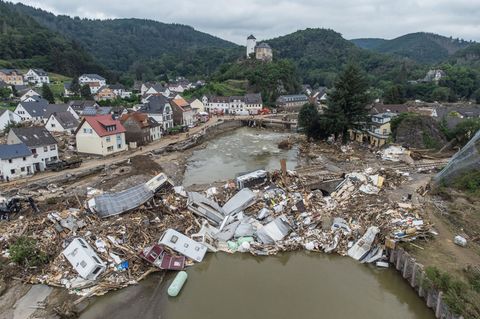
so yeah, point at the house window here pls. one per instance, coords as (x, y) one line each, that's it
(24, 159)
(119, 145)
(10, 161)
(34, 151)
(22, 169)
(52, 125)
(107, 139)
(53, 158)
(110, 149)
(12, 171)
(52, 147)
(45, 149)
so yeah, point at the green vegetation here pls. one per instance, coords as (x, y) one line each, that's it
(421, 47)
(25, 43)
(346, 107)
(215, 88)
(24, 252)
(85, 92)
(271, 79)
(462, 298)
(469, 182)
(47, 93)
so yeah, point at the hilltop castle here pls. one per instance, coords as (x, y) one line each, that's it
(261, 51)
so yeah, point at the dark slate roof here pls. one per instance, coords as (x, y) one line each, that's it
(10, 151)
(253, 98)
(56, 108)
(66, 119)
(40, 72)
(4, 84)
(155, 104)
(292, 98)
(79, 105)
(236, 98)
(34, 136)
(37, 108)
(9, 71)
(93, 76)
(2, 111)
(117, 86)
(263, 45)
(251, 37)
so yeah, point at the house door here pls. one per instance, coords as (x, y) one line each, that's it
(29, 171)
(37, 167)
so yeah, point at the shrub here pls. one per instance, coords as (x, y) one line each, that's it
(25, 252)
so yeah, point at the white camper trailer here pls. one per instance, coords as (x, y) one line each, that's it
(84, 259)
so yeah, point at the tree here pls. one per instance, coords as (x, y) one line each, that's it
(85, 92)
(75, 86)
(394, 94)
(47, 93)
(5, 93)
(308, 119)
(441, 94)
(347, 101)
(477, 96)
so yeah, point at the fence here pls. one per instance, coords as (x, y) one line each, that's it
(414, 273)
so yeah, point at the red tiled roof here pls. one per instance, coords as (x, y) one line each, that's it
(140, 118)
(100, 122)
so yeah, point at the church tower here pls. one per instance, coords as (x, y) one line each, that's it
(251, 43)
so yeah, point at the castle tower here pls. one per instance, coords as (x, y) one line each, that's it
(251, 43)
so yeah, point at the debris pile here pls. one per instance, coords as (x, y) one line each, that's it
(118, 239)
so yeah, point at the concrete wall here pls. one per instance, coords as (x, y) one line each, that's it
(414, 273)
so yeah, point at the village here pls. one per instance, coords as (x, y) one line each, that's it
(96, 192)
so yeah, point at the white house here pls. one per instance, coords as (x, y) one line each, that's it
(251, 103)
(32, 111)
(94, 81)
(100, 135)
(216, 103)
(197, 105)
(30, 96)
(84, 259)
(8, 117)
(37, 77)
(120, 91)
(158, 107)
(148, 89)
(62, 122)
(40, 142)
(16, 160)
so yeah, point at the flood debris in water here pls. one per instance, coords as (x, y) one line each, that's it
(173, 228)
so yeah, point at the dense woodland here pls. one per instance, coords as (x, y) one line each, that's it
(24, 43)
(134, 49)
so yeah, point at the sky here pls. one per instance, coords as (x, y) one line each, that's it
(266, 19)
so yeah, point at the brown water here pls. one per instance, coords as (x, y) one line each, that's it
(239, 151)
(290, 285)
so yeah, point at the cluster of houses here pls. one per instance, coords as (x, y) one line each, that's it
(97, 130)
(36, 77)
(377, 131)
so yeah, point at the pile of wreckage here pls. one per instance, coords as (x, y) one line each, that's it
(119, 238)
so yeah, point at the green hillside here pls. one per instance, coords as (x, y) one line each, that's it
(24, 43)
(368, 43)
(421, 46)
(120, 43)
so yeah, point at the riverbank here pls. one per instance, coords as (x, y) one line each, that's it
(364, 207)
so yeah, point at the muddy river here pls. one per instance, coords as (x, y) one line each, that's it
(295, 285)
(235, 152)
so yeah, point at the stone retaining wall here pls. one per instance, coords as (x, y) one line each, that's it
(414, 273)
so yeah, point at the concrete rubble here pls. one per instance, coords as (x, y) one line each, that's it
(171, 228)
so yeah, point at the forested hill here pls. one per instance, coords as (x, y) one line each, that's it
(421, 46)
(368, 43)
(469, 56)
(319, 54)
(119, 43)
(24, 43)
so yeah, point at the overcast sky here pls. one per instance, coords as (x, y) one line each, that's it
(235, 20)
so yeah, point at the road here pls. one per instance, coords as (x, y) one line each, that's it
(120, 157)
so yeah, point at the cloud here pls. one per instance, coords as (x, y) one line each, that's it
(234, 20)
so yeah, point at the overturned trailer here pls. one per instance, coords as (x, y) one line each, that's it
(111, 204)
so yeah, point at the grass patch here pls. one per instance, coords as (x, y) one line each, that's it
(25, 252)
(461, 297)
(469, 182)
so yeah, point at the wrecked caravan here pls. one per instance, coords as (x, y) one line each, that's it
(252, 179)
(239, 201)
(116, 203)
(84, 259)
(274, 231)
(204, 207)
(361, 248)
(183, 245)
(157, 256)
